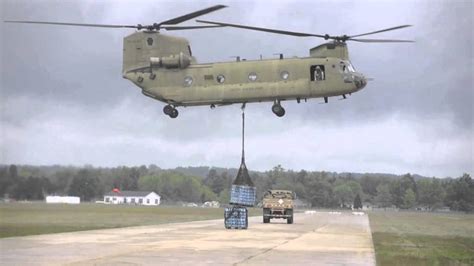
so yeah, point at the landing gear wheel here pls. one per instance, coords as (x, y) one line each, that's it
(174, 113)
(170, 111)
(278, 110)
(167, 109)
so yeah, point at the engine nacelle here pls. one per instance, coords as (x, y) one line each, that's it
(173, 61)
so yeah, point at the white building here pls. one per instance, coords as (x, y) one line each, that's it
(132, 197)
(63, 199)
(211, 204)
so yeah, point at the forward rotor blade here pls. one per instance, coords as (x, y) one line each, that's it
(72, 24)
(192, 15)
(389, 29)
(378, 40)
(189, 27)
(292, 33)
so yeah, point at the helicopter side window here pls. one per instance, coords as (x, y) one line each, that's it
(318, 73)
(343, 68)
(220, 78)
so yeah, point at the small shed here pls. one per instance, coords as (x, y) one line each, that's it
(116, 196)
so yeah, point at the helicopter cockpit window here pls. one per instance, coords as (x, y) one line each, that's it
(318, 73)
(351, 68)
(346, 67)
(220, 78)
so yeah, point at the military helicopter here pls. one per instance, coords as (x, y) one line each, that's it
(164, 68)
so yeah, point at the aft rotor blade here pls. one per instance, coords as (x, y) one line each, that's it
(378, 40)
(373, 32)
(72, 24)
(189, 27)
(292, 33)
(192, 15)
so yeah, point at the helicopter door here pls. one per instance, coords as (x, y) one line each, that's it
(317, 73)
(317, 85)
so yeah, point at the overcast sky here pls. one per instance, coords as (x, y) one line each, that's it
(64, 101)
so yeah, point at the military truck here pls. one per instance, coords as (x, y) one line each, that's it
(278, 204)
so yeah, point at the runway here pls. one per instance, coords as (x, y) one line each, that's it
(314, 239)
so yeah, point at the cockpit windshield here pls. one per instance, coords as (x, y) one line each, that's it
(346, 67)
(351, 68)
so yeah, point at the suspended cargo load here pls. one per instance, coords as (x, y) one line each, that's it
(242, 193)
(236, 218)
(242, 196)
(243, 190)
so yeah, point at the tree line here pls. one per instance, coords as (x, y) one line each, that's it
(200, 184)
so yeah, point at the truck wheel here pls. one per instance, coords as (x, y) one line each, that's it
(265, 218)
(289, 220)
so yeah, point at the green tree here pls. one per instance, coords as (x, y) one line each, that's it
(85, 185)
(207, 194)
(355, 187)
(430, 193)
(343, 194)
(61, 180)
(224, 196)
(369, 185)
(13, 171)
(319, 192)
(357, 202)
(215, 181)
(5, 181)
(460, 194)
(399, 187)
(384, 197)
(409, 199)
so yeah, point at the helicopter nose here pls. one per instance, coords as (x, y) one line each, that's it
(360, 81)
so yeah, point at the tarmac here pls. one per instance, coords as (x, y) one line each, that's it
(321, 238)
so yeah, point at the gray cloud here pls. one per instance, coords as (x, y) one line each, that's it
(64, 100)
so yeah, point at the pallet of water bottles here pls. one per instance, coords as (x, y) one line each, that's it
(242, 195)
(236, 217)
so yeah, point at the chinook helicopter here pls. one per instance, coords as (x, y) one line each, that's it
(164, 68)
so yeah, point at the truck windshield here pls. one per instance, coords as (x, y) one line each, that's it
(279, 195)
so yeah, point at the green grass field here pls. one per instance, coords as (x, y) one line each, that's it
(20, 219)
(413, 238)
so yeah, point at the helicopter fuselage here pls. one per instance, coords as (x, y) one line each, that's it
(248, 81)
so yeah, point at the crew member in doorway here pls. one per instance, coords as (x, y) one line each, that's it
(319, 73)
